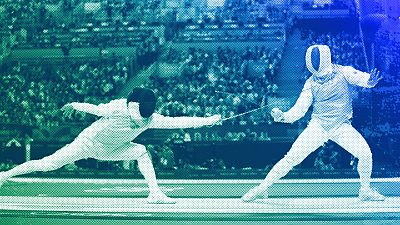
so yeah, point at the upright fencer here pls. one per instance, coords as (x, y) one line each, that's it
(328, 91)
(111, 137)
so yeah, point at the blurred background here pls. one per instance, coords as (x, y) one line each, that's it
(202, 57)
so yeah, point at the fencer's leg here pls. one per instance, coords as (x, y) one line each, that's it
(133, 151)
(28, 167)
(308, 141)
(24, 168)
(352, 141)
(68, 154)
(155, 194)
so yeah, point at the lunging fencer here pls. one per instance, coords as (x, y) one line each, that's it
(328, 91)
(110, 137)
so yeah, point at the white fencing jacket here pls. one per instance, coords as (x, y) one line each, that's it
(330, 98)
(117, 125)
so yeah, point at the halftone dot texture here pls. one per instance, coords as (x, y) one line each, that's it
(55, 52)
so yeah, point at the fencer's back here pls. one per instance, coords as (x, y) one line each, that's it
(115, 128)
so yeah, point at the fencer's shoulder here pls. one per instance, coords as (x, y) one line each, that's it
(308, 81)
(336, 68)
(343, 69)
(118, 102)
(115, 105)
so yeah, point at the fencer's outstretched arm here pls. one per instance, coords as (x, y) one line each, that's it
(164, 122)
(98, 110)
(301, 106)
(362, 79)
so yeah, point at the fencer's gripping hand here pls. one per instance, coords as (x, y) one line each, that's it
(214, 120)
(68, 110)
(375, 77)
(277, 114)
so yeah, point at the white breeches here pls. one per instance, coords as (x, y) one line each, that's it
(82, 148)
(315, 136)
(312, 138)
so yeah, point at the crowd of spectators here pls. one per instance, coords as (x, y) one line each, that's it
(383, 127)
(218, 83)
(33, 93)
(19, 12)
(52, 14)
(324, 5)
(327, 158)
(230, 32)
(251, 12)
(237, 20)
(31, 24)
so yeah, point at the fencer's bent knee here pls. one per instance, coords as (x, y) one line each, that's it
(361, 151)
(365, 154)
(290, 160)
(142, 151)
(141, 148)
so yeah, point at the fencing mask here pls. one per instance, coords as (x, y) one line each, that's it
(318, 60)
(145, 98)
